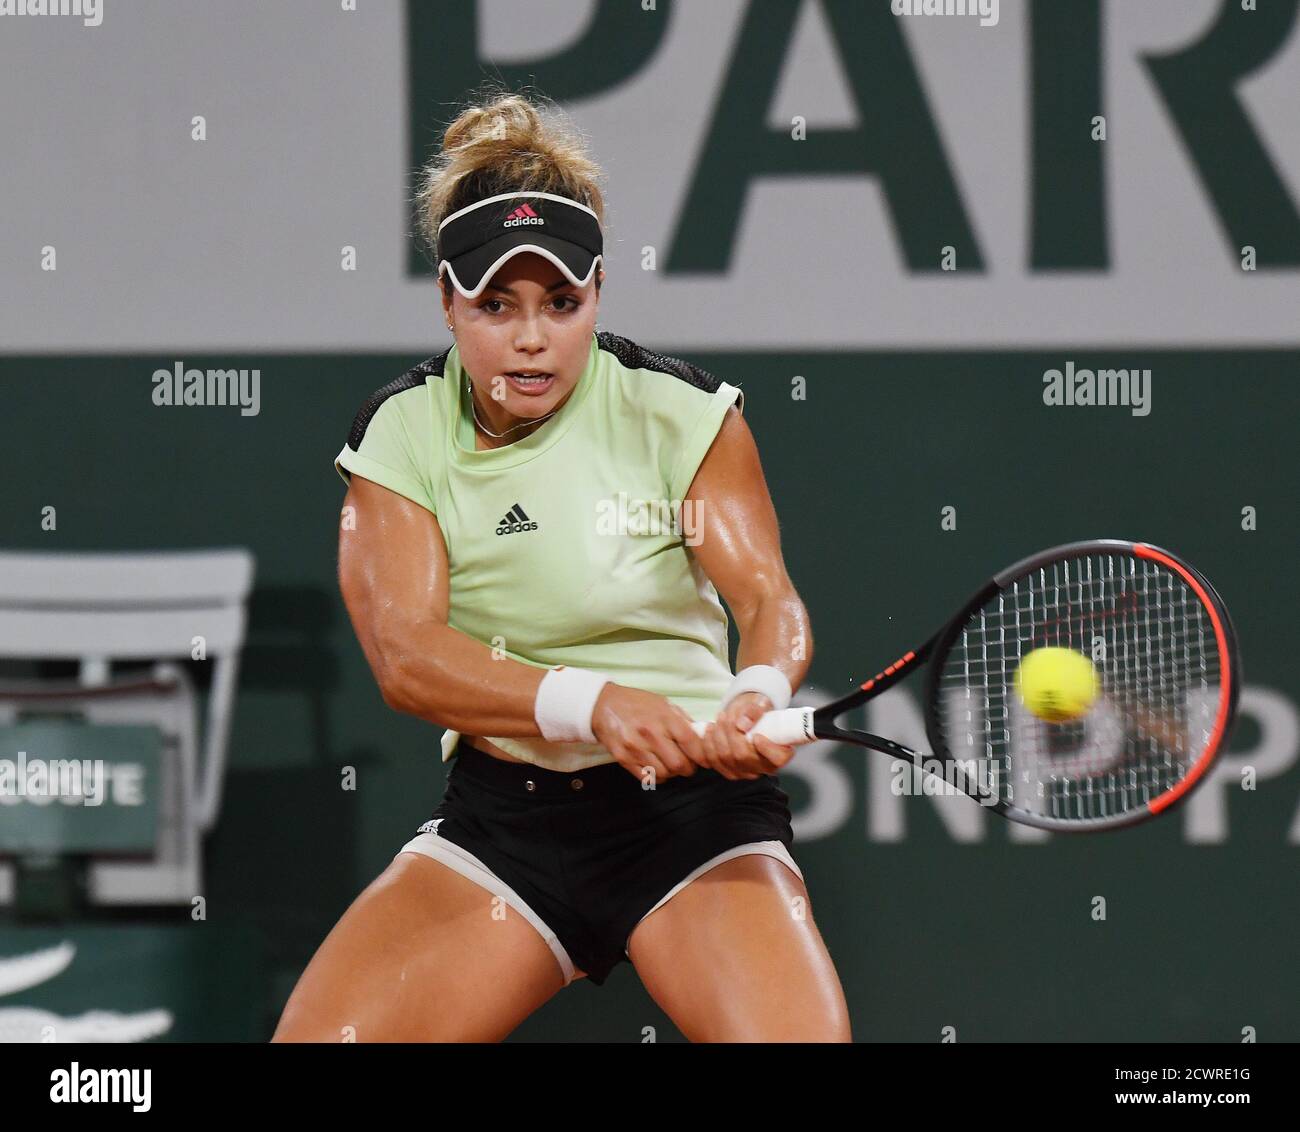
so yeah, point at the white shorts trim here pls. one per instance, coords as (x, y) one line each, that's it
(469, 866)
(775, 849)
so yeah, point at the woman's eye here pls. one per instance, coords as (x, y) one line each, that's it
(491, 305)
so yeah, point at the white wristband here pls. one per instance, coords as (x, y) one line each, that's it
(771, 682)
(565, 700)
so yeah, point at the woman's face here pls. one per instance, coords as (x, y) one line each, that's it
(529, 318)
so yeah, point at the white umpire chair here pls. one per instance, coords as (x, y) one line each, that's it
(101, 609)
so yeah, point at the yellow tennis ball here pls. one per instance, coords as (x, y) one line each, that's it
(1056, 684)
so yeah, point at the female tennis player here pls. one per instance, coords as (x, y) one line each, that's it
(537, 527)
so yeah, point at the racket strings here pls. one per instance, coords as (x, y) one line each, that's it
(1155, 654)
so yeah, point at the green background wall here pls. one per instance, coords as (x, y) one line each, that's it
(921, 134)
(993, 937)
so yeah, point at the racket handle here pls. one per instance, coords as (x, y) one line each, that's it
(787, 726)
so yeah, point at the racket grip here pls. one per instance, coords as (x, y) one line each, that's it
(787, 726)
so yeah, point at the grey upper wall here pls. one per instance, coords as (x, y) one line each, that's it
(920, 135)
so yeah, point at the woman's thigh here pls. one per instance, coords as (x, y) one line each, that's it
(736, 957)
(422, 955)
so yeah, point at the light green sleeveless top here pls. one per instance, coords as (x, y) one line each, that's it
(572, 545)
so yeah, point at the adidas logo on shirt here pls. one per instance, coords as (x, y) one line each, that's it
(515, 522)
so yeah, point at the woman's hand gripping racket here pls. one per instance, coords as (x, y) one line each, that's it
(1115, 724)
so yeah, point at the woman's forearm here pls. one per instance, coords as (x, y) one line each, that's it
(442, 675)
(448, 678)
(776, 631)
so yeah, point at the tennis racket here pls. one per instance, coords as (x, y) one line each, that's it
(1168, 675)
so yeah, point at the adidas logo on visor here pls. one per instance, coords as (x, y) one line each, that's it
(524, 214)
(515, 522)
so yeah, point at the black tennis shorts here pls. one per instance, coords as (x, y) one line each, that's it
(585, 856)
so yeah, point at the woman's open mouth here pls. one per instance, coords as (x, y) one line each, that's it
(531, 385)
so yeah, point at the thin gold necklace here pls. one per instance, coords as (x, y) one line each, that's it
(498, 435)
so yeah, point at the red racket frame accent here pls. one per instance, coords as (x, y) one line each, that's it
(903, 660)
(1226, 678)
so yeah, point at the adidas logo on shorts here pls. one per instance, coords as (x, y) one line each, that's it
(431, 826)
(515, 522)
